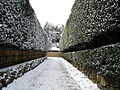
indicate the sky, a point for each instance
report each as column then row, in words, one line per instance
column 54, row 11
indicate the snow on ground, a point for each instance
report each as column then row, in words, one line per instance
column 53, row 74
column 81, row 79
column 55, row 49
column 8, row 74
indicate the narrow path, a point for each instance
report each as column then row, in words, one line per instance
column 53, row 74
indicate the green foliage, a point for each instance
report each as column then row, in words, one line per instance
column 105, row 60
column 50, row 27
column 92, row 23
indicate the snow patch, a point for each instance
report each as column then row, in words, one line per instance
column 55, row 49
column 53, row 74
column 80, row 78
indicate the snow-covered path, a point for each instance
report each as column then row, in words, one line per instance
column 53, row 74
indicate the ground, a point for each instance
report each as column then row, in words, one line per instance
column 53, row 74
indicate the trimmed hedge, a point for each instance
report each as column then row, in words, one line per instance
column 104, row 60
column 92, row 24
column 19, row 26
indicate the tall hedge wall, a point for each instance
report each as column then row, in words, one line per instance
column 92, row 23
column 91, row 41
column 19, row 26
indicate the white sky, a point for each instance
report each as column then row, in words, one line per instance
column 53, row 11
